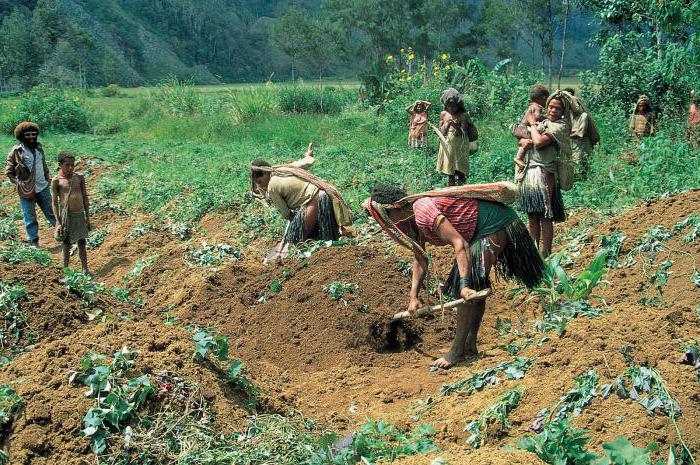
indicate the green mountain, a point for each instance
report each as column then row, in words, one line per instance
column 137, row 42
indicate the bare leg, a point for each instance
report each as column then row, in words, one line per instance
column 311, row 217
column 456, row 353
column 469, row 315
column 534, row 227
column 450, row 180
column 547, row 236
column 461, row 178
column 66, row 253
column 82, row 253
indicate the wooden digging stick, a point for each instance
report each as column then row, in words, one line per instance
column 428, row 309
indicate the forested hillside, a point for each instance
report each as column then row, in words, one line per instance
column 84, row 43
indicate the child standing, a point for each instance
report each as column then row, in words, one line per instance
column 453, row 156
column 418, row 127
column 71, row 206
column 538, row 97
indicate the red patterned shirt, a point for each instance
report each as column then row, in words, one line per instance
column 463, row 214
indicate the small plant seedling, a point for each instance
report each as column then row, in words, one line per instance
column 497, row 413
column 514, row 369
column 14, row 321
column 558, row 443
column 337, row 290
column 8, row 228
column 206, row 342
column 692, row 222
column 612, row 244
column 140, row 265
column 636, row 380
column 236, row 377
column 212, row 255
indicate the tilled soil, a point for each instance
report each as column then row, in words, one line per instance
column 341, row 361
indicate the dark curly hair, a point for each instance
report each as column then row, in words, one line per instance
column 23, row 127
column 539, row 92
column 387, row 193
column 258, row 173
column 63, row 156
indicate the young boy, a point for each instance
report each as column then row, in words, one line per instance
column 643, row 120
column 71, row 206
column 418, row 126
column 538, row 98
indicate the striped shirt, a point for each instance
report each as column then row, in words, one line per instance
column 463, row 214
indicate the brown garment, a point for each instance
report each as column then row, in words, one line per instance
column 15, row 167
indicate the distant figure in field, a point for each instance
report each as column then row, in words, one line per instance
column 483, row 234
column 418, row 126
column 26, row 168
column 584, row 134
column 693, row 132
column 72, row 206
column 314, row 208
column 455, row 128
column 540, row 191
column 643, row 120
column 538, row 99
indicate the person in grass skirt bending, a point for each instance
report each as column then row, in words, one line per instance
column 482, row 233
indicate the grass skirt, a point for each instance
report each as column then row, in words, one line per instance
column 327, row 228
column 534, row 195
column 519, row 260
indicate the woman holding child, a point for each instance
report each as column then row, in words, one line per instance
column 540, row 193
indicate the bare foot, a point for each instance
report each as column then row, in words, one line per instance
column 446, row 362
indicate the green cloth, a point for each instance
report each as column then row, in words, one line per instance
column 493, row 217
column 76, row 226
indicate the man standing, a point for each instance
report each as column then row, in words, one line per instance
column 584, row 134
column 26, row 168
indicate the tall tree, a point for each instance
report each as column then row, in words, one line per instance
column 290, row 33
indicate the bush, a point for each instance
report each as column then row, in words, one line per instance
column 178, row 98
column 110, row 90
column 52, row 109
column 303, row 99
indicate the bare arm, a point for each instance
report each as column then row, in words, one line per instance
column 420, row 267
column 86, row 200
column 54, row 202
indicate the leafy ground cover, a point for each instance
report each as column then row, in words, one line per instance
column 174, row 175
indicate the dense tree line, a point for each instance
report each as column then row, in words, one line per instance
column 131, row 42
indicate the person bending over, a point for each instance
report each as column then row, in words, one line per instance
column 482, row 233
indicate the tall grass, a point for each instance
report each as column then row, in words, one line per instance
column 182, row 163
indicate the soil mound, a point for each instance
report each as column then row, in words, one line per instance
column 46, row 432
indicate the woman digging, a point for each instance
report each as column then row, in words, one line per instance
column 482, row 232
column 314, row 207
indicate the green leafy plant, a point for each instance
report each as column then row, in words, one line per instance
column 212, row 255
column 16, row 253
column 10, row 406
column 337, row 290
column 377, row 441
column 612, row 244
column 182, row 231
column 558, row 444
column 83, row 285
column 138, row 230
column 514, row 369
column 117, row 396
column 652, row 241
column 236, row 376
column 692, row 222
column 97, row 237
column 621, row 451
column 140, row 265
column 561, row 313
column 636, row 380
column 8, row 228
column 206, row 342
column 497, row 413
column 573, row 402
column 14, row 321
